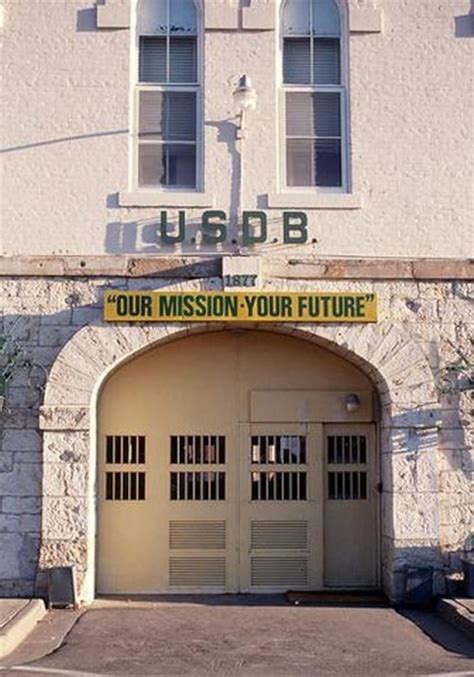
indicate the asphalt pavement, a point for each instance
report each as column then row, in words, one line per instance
column 247, row 635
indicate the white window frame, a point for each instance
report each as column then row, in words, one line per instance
column 137, row 87
column 343, row 89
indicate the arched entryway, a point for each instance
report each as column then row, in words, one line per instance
column 229, row 461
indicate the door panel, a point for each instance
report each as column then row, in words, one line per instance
column 280, row 507
column 350, row 499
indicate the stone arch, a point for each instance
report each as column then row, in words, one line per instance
column 393, row 361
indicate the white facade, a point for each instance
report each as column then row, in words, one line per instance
column 67, row 170
column 73, row 224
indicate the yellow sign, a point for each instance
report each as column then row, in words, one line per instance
column 151, row 306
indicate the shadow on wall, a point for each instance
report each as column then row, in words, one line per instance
column 143, row 235
column 37, row 340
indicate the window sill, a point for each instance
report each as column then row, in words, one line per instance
column 143, row 198
column 314, row 200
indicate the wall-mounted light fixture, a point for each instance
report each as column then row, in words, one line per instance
column 245, row 99
column 352, row 402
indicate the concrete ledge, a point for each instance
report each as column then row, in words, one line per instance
column 220, row 17
column 259, row 17
column 314, row 201
column 113, row 15
column 110, row 266
column 17, row 619
column 371, row 269
column 457, row 613
column 150, row 198
column 365, row 20
column 189, row 267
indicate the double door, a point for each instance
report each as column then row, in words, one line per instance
column 256, row 507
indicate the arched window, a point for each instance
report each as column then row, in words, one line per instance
column 167, row 95
column 314, row 95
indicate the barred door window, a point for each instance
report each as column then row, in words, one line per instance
column 314, row 101
column 167, row 95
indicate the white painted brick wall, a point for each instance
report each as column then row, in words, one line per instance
column 66, row 116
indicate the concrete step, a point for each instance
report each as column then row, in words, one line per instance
column 18, row 617
column 459, row 612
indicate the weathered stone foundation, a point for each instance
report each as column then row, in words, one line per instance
column 417, row 355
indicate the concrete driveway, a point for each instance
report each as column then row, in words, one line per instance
column 246, row 635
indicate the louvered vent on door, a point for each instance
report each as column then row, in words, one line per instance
column 197, row 571
column 197, row 535
column 279, row 535
column 279, row 571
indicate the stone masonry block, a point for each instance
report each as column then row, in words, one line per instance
column 87, row 315
column 23, row 480
column 64, row 553
column 15, row 505
column 69, row 447
column 65, row 479
column 6, row 461
column 21, row 440
column 411, row 472
column 20, row 523
column 416, row 516
column 19, row 555
column 64, row 518
column 55, row 336
column 64, row 418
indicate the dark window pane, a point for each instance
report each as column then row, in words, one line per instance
column 168, row 116
column 296, row 61
column 302, row 449
column 183, row 61
column 125, row 484
column 331, row 458
column 363, row 485
column 109, row 486
column 141, row 486
column 125, row 445
column 173, row 486
column 328, row 162
column 141, row 449
column 152, row 59
column 118, row 449
column 133, row 447
column 109, row 455
column 221, row 449
column 355, row 485
column 326, row 61
column 302, row 486
column 181, row 116
column 174, row 449
column 133, row 486
column 327, row 114
column 117, row 486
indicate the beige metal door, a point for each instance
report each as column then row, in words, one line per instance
column 350, row 502
column 179, row 533
column 280, row 509
column 214, row 474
